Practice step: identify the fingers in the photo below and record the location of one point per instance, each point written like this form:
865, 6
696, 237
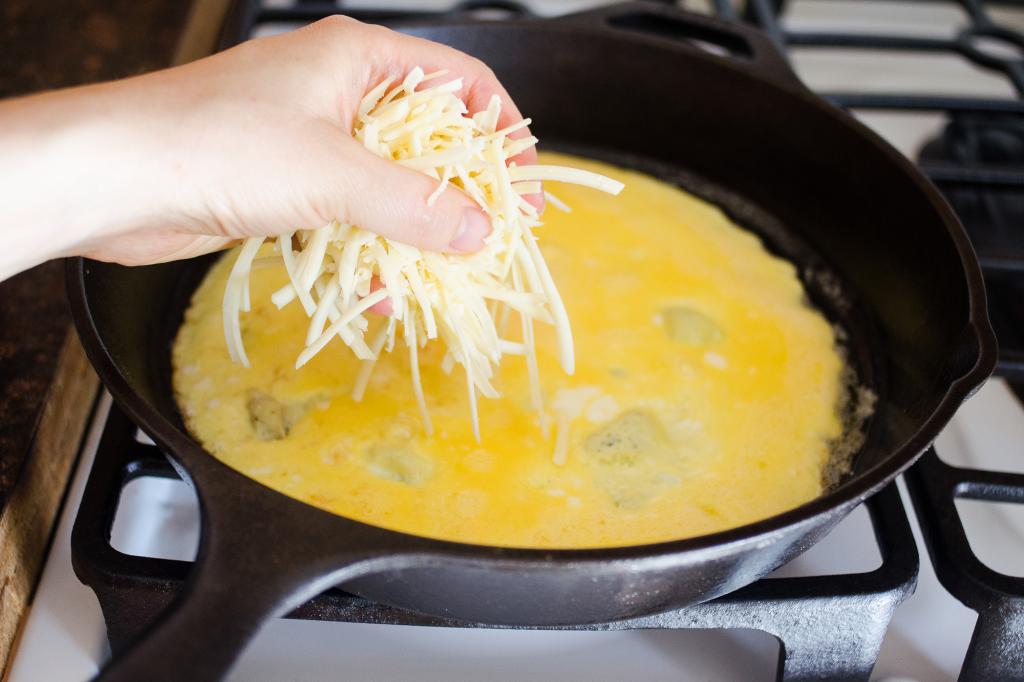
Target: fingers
380, 196
479, 90
383, 307
479, 95
404, 53
377, 194
480, 84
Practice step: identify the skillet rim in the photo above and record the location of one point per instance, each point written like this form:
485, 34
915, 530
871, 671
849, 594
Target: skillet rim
844, 497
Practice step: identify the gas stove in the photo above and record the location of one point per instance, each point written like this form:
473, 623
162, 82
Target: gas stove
894, 591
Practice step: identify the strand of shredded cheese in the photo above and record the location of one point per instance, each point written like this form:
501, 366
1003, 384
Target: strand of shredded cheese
433, 295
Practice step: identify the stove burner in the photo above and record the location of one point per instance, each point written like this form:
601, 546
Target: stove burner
993, 214
828, 626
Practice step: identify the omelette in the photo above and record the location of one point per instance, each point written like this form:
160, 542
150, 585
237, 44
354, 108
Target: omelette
707, 392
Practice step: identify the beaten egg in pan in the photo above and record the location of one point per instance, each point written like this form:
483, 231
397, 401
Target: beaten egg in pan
707, 393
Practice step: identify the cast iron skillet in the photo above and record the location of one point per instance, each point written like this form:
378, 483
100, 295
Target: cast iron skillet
878, 249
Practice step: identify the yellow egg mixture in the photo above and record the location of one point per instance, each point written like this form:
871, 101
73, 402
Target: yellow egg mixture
706, 392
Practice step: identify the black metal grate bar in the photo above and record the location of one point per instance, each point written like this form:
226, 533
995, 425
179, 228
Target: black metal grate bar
980, 175
996, 651
936, 103
871, 42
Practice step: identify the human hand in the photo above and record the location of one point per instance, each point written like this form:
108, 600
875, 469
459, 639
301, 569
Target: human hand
254, 141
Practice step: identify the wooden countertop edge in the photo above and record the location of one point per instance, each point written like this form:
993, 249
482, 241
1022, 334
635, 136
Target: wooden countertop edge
27, 520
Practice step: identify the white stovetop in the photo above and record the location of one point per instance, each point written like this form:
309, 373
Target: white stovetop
64, 636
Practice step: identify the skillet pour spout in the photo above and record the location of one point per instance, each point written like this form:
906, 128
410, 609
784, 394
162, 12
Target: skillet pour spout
879, 251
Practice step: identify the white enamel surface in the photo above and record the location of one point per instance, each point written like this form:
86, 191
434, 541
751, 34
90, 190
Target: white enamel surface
64, 636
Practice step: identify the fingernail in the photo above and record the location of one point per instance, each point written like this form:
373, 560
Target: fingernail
474, 228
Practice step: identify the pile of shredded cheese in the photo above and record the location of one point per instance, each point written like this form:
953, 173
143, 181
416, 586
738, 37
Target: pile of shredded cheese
465, 300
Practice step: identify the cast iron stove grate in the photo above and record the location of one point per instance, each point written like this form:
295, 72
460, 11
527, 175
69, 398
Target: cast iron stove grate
829, 626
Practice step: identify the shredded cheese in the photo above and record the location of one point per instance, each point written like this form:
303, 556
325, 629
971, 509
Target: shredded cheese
463, 300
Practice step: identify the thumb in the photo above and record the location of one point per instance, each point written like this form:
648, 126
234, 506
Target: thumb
383, 197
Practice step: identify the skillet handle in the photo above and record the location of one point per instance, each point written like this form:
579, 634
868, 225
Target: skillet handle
250, 568
734, 42
205, 630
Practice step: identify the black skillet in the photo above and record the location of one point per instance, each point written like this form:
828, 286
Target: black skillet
879, 251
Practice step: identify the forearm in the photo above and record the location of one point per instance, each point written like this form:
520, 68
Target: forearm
76, 167
252, 141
